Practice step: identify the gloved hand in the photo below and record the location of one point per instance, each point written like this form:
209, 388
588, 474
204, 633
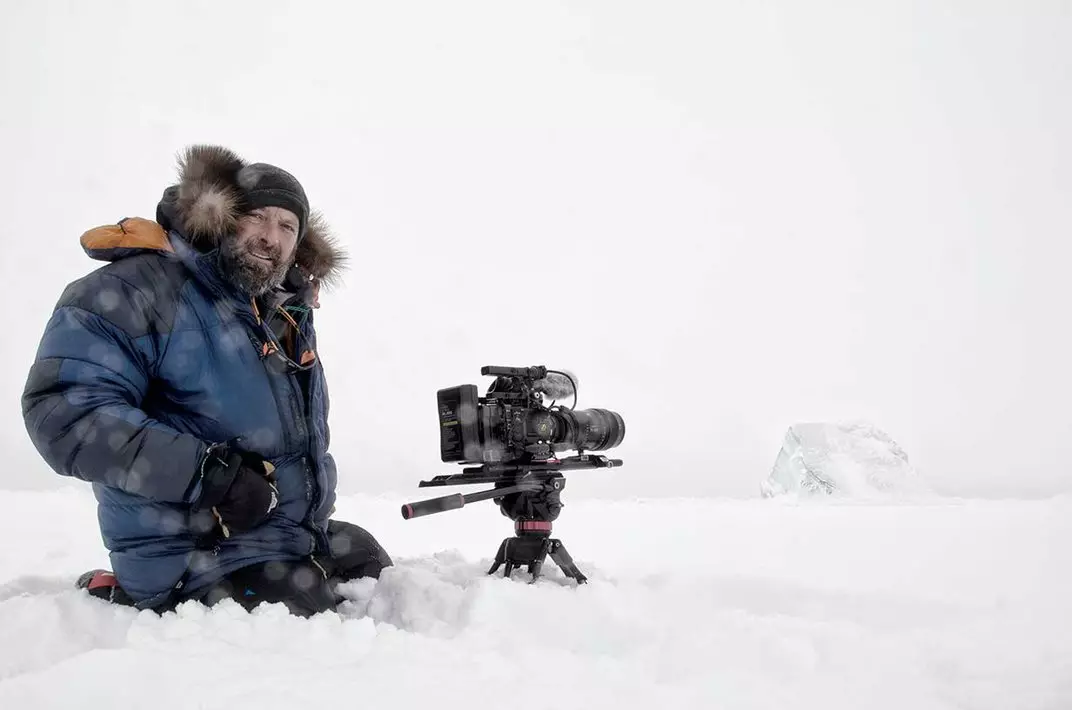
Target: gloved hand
239, 487
544, 504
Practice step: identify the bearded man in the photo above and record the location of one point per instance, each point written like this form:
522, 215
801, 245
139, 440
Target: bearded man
182, 381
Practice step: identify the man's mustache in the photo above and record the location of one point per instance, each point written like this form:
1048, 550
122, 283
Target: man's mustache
274, 254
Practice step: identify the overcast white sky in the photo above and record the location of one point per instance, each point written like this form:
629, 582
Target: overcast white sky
724, 217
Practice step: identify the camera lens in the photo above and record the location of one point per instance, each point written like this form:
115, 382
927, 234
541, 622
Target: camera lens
590, 429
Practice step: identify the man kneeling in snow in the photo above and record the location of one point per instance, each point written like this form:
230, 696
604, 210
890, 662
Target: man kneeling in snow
182, 380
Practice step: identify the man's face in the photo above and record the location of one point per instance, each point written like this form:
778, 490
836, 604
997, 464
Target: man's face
257, 257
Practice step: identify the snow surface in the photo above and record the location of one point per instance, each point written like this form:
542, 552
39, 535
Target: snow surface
692, 604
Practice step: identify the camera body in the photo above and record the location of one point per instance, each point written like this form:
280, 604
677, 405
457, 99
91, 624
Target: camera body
512, 423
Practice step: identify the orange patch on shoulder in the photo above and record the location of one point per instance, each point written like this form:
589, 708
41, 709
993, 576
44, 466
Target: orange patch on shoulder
131, 233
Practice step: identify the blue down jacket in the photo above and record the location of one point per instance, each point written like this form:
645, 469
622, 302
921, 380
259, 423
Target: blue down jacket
146, 362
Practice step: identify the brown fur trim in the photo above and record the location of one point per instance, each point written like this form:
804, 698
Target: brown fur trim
319, 253
208, 204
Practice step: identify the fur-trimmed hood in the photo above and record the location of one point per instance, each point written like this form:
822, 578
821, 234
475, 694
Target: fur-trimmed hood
204, 206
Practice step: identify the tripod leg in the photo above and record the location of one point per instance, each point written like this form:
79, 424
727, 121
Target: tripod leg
515, 555
500, 557
537, 564
563, 560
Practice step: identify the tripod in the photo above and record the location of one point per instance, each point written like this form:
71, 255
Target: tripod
532, 543
530, 546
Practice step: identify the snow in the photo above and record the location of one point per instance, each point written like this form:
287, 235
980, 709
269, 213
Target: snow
692, 603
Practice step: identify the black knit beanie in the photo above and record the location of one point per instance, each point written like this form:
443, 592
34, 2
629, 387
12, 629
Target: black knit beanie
264, 185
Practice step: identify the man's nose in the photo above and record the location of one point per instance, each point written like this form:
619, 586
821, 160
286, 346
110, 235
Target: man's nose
269, 235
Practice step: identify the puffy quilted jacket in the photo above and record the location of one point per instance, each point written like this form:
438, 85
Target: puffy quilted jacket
146, 362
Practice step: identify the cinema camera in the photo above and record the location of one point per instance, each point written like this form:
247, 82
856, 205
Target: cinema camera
514, 439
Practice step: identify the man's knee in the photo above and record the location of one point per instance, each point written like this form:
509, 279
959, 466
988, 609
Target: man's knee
355, 552
298, 585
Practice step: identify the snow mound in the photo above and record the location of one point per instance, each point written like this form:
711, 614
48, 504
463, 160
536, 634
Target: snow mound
856, 460
430, 596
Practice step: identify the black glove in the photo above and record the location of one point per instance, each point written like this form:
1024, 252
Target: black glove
239, 488
544, 504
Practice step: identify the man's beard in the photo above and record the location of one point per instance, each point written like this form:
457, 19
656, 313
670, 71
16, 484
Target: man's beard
251, 274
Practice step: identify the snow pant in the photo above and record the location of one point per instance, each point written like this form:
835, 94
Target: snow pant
307, 586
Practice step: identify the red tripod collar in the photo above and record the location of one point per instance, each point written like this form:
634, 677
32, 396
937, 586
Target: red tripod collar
541, 526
